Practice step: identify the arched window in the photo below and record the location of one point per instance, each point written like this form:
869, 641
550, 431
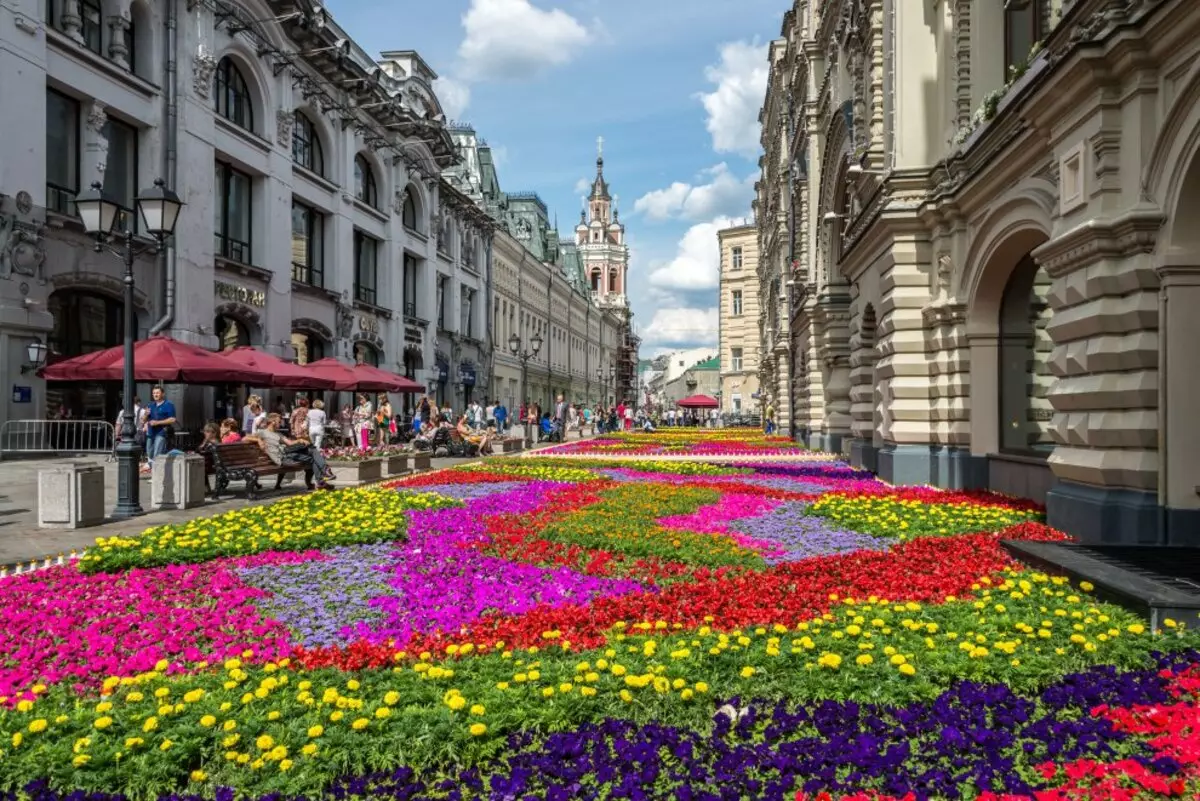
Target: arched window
306, 146
1024, 374
408, 214
366, 353
231, 95
364, 182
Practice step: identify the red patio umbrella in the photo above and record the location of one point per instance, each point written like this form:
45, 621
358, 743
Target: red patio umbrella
349, 378
698, 402
401, 384
284, 374
158, 358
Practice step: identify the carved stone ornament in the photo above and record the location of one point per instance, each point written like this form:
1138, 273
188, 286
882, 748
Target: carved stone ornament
96, 117
283, 126
203, 67
398, 202
945, 272
21, 250
345, 321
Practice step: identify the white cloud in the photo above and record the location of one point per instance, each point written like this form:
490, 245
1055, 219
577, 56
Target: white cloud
513, 39
499, 155
724, 194
680, 327
696, 266
582, 186
733, 106
454, 95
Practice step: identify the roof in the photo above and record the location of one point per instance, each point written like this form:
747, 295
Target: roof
708, 364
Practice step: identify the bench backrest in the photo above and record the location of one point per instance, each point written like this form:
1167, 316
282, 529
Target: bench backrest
240, 454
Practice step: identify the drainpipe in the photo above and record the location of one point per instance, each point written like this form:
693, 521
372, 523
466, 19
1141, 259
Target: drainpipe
489, 340
550, 338
170, 159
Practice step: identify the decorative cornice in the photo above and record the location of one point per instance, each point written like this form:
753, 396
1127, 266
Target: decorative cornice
944, 313
1093, 241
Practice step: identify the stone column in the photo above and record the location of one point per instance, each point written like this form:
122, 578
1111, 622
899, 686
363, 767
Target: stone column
952, 465
834, 362
71, 20
902, 371
1104, 294
783, 383
863, 356
1179, 438
117, 51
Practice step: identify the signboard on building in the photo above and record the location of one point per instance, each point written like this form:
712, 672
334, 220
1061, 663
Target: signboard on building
22, 394
467, 371
240, 294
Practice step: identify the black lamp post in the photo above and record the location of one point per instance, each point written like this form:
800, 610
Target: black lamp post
159, 210
36, 352
605, 379
516, 348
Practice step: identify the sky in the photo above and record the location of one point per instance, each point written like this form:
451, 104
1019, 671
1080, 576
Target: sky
673, 86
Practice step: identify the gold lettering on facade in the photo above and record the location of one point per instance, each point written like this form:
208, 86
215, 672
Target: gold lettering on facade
368, 324
251, 297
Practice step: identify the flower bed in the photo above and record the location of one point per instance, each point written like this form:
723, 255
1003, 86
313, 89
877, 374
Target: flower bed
699, 442
545, 628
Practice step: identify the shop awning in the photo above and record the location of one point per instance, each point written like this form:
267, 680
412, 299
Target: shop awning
698, 402
361, 377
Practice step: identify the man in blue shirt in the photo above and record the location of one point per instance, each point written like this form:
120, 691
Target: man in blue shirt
159, 424
501, 414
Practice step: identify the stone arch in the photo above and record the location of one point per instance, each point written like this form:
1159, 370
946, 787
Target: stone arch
422, 198
375, 167
1173, 179
834, 193
247, 330
999, 269
865, 398
258, 84
100, 284
411, 210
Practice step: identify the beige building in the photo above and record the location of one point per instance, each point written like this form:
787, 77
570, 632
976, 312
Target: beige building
740, 319
996, 249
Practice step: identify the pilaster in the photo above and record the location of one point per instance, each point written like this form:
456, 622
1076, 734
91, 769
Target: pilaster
1105, 330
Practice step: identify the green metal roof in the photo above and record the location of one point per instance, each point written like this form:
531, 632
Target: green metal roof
709, 364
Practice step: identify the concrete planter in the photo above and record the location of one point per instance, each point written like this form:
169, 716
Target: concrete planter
421, 461
511, 446
177, 482
71, 496
359, 472
396, 464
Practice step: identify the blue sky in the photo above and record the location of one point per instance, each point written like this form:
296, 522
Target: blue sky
673, 86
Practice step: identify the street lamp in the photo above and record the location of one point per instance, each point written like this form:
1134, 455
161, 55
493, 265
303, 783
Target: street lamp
36, 352
517, 349
604, 379
159, 209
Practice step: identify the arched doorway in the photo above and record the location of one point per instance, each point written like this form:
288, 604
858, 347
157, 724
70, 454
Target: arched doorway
231, 332
366, 353
1010, 412
413, 361
865, 395
84, 322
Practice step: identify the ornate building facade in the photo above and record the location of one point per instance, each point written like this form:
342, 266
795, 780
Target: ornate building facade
996, 248
740, 330
537, 286
310, 172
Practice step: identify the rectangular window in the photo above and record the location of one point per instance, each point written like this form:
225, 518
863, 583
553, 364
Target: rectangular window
736, 358
1025, 23
737, 302
62, 152
737, 258
120, 171
366, 268
308, 245
468, 312
92, 17
441, 301
410, 285
232, 226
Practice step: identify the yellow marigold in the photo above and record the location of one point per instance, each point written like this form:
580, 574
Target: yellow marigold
360, 724
316, 731
208, 720
38, 725
478, 729
265, 742
198, 775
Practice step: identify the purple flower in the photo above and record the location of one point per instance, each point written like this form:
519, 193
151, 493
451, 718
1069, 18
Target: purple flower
801, 536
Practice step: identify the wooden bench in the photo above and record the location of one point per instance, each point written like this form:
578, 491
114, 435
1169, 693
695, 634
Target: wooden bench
246, 461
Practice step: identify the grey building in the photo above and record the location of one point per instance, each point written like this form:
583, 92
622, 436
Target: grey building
311, 173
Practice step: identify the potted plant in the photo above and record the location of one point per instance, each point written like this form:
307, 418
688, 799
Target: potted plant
354, 466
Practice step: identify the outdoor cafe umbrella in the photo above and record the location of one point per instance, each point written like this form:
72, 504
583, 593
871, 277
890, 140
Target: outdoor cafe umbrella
284, 374
698, 402
157, 359
351, 378
401, 384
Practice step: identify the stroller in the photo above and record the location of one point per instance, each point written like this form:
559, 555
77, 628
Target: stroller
551, 430
448, 440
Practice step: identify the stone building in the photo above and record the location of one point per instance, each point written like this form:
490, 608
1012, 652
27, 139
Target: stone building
996, 248
537, 287
700, 378
740, 325
309, 170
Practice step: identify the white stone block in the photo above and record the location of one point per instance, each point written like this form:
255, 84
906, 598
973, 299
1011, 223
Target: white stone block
177, 482
71, 496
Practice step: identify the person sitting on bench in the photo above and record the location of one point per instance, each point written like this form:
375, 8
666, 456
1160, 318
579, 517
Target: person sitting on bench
482, 441
279, 449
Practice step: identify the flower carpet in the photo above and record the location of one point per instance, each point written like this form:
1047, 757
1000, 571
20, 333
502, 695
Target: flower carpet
625, 628
674, 442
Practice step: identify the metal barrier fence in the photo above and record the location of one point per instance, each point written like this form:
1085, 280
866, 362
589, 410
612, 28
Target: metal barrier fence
55, 436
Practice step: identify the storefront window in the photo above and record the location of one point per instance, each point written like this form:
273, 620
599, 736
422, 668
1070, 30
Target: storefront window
84, 323
365, 353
